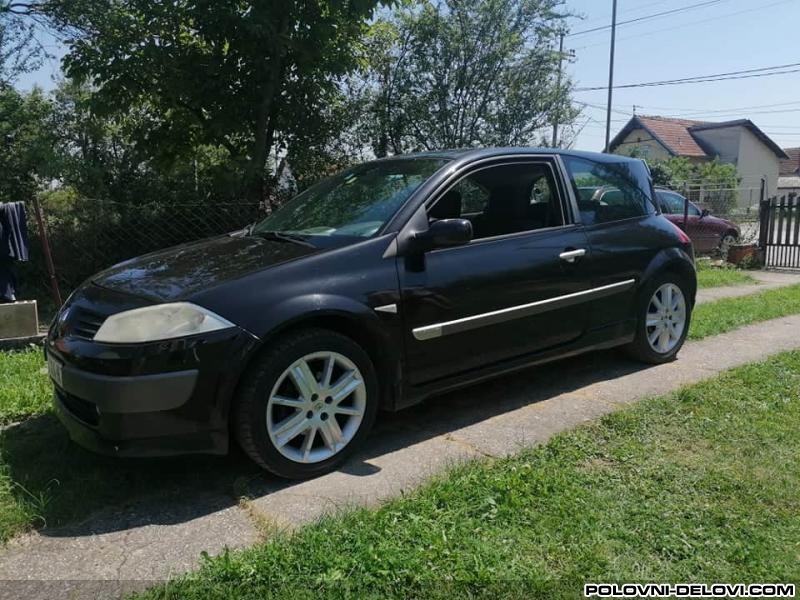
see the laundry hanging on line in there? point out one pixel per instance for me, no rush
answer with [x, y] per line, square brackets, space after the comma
[13, 246]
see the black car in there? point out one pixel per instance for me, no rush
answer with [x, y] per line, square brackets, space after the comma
[393, 281]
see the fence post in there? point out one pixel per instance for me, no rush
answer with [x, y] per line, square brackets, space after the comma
[48, 257]
[763, 223]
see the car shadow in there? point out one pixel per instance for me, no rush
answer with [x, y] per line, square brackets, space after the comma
[67, 491]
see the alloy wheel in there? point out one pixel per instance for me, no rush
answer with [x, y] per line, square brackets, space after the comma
[725, 244]
[316, 407]
[666, 318]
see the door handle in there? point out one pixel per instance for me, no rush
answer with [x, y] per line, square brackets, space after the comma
[571, 256]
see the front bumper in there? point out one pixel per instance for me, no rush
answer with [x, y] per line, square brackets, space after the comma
[152, 399]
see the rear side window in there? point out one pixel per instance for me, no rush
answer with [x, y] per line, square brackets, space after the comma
[608, 192]
[671, 204]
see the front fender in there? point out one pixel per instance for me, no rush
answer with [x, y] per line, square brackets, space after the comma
[293, 311]
[379, 334]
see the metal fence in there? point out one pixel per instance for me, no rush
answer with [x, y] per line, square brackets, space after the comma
[779, 239]
[87, 237]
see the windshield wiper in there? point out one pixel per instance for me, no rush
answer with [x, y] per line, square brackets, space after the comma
[283, 237]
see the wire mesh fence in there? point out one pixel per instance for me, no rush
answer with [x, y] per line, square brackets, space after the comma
[715, 217]
[87, 237]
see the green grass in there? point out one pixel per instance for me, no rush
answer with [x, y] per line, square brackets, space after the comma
[728, 314]
[710, 277]
[24, 387]
[702, 485]
[45, 481]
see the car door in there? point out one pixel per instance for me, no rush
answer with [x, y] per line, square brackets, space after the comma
[704, 238]
[515, 289]
[703, 229]
[624, 230]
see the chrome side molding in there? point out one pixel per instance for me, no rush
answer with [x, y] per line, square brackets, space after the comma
[429, 332]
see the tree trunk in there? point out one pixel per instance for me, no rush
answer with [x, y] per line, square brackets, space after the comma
[265, 117]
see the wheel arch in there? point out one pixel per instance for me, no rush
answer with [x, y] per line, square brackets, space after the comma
[731, 231]
[351, 319]
[673, 260]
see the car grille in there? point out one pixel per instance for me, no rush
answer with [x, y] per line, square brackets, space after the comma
[81, 409]
[84, 323]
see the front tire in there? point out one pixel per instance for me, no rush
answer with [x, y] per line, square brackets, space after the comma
[728, 240]
[306, 404]
[663, 316]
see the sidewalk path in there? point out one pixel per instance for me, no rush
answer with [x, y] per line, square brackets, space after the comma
[767, 280]
[150, 540]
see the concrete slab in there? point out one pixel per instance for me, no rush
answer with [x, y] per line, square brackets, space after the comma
[123, 547]
[155, 539]
[19, 319]
[19, 343]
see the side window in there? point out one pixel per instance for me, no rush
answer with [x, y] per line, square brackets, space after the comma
[671, 204]
[473, 197]
[541, 193]
[503, 199]
[608, 192]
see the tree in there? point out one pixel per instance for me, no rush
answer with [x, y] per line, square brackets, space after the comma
[26, 143]
[20, 52]
[235, 74]
[711, 183]
[460, 73]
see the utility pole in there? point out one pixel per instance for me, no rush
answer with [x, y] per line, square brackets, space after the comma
[611, 73]
[558, 89]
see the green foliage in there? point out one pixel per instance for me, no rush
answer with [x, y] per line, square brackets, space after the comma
[26, 143]
[709, 183]
[20, 52]
[242, 76]
[468, 73]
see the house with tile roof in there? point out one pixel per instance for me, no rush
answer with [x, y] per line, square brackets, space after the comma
[740, 143]
[789, 173]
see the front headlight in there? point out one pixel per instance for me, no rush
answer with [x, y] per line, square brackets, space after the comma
[159, 322]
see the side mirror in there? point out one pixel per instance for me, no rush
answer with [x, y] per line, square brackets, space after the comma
[704, 213]
[443, 233]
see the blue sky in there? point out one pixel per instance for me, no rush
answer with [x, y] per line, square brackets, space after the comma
[729, 35]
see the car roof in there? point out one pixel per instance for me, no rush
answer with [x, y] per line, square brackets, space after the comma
[480, 153]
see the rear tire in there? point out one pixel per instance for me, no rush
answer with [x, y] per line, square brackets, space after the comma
[663, 316]
[306, 404]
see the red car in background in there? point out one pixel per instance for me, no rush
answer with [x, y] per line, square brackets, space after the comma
[708, 233]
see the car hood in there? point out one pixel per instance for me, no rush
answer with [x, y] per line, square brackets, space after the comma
[719, 221]
[178, 273]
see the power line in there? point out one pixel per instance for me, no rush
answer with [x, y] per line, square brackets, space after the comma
[689, 111]
[744, 74]
[691, 23]
[606, 17]
[648, 17]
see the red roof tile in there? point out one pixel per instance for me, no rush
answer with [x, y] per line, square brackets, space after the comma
[674, 133]
[790, 166]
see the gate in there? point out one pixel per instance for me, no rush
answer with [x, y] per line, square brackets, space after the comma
[779, 231]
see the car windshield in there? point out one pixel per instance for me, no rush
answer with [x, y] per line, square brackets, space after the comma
[356, 202]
